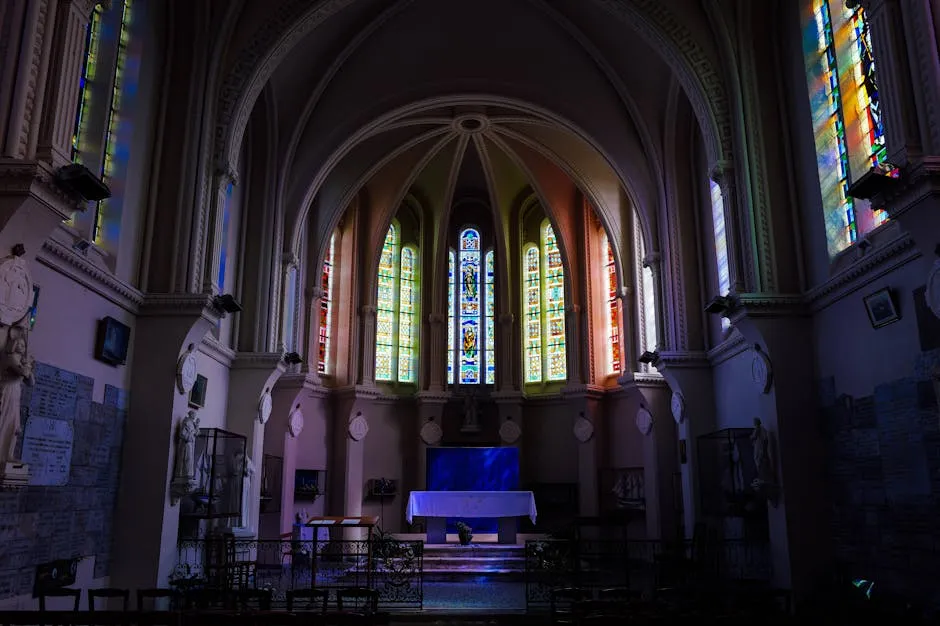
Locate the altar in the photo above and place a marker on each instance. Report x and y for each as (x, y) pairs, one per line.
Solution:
(437, 506)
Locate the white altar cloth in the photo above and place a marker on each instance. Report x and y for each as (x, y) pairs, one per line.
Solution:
(471, 504)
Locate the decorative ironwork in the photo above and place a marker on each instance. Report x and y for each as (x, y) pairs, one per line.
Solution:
(394, 568)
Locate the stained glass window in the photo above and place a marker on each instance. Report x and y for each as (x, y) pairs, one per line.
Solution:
(407, 316)
(533, 314)
(385, 306)
(471, 317)
(721, 244)
(844, 99)
(646, 296)
(223, 252)
(554, 298)
(614, 356)
(326, 300)
(86, 79)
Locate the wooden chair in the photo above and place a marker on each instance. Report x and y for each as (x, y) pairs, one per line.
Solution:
(351, 595)
(155, 594)
(312, 595)
(204, 599)
(62, 592)
(562, 600)
(253, 599)
(108, 593)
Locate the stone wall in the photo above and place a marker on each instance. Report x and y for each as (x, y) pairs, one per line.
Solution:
(39, 524)
(884, 479)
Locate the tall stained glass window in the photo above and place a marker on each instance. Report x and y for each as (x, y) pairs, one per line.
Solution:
(326, 301)
(646, 295)
(532, 281)
(396, 330)
(554, 299)
(721, 244)
(471, 297)
(86, 79)
(614, 355)
(847, 123)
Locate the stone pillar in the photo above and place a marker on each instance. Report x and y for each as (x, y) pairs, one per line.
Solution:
(692, 406)
(723, 175)
(509, 409)
(652, 261)
(314, 298)
(367, 343)
(252, 377)
(221, 181)
(801, 555)
(436, 351)
(505, 358)
(146, 521)
(573, 353)
(588, 426)
(430, 409)
(347, 477)
(60, 99)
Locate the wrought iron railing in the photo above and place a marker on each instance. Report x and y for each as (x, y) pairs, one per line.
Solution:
(640, 565)
(391, 567)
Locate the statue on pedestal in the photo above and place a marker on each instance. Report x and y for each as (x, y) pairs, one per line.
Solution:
(16, 367)
(184, 468)
(764, 482)
(243, 468)
(471, 421)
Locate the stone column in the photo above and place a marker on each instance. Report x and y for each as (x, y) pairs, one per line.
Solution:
(253, 375)
(221, 181)
(504, 371)
(60, 97)
(436, 351)
(723, 175)
(584, 402)
(347, 475)
(509, 409)
(430, 409)
(573, 353)
(314, 298)
(367, 343)
(689, 375)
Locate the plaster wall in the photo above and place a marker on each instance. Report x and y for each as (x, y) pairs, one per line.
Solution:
(549, 449)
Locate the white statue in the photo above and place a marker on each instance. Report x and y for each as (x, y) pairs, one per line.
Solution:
(761, 443)
(184, 469)
(243, 466)
(16, 367)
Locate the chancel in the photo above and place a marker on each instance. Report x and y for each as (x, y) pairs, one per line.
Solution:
(595, 309)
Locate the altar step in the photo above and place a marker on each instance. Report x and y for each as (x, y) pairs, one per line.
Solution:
(457, 563)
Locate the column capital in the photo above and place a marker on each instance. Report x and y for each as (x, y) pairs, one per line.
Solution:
(225, 174)
(722, 172)
(314, 293)
(625, 292)
(652, 260)
(436, 318)
(573, 309)
(290, 260)
(367, 310)
(506, 319)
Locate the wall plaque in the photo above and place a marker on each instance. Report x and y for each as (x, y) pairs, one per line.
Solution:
(47, 449)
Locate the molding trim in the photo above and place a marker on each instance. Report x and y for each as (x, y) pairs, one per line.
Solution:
(256, 360)
(731, 347)
(77, 268)
(217, 351)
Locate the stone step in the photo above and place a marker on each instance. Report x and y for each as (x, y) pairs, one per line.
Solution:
(473, 562)
(449, 575)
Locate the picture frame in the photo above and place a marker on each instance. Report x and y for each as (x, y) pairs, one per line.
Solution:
(112, 341)
(197, 396)
(881, 308)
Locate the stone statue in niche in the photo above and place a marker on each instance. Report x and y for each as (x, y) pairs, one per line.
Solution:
(471, 420)
(184, 468)
(16, 368)
(243, 468)
(764, 482)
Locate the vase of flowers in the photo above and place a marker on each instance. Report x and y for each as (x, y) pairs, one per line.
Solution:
(464, 533)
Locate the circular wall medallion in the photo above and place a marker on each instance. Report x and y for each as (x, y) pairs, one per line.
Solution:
(431, 433)
(678, 407)
(760, 371)
(186, 372)
(264, 407)
(510, 432)
(358, 428)
(644, 421)
(295, 423)
(932, 295)
(16, 290)
(583, 429)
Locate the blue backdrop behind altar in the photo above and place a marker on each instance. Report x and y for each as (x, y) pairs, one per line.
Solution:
(473, 469)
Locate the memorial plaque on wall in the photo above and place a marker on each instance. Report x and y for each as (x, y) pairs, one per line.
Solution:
(47, 449)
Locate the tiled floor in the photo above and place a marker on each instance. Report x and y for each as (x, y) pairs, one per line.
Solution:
(477, 595)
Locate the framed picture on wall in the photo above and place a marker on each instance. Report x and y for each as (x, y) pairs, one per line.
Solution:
(881, 307)
(197, 397)
(112, 341)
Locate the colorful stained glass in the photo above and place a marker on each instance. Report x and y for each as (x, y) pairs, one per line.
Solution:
(646, 300)
(86, 79)
(223, 250)
(613, 310)
(385, 307)
(721, 245)
(451, 313)
(326, 321)
(846, 115)
(407, 314)
(489, 319)
(554, 298)
(532, 312)
(469, 307)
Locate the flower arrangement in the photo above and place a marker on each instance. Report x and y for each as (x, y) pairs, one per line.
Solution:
(464, 533)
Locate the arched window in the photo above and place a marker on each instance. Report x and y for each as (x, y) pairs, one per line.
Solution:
(846, 110)
(471, 311)
(544, 309)
(614, 354)
(532, 284)
(102, 130)
(396, 300)
(721, 244)
(326, 301)
(646, 296)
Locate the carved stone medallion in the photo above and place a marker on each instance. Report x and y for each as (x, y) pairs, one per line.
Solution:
(358, 428)
(16, 290)
(678, 407)
(932, 295)
(761, 373)
(186, 371)
(510, 432)
(431, 433)
(295, 423)
(644, 421)
(583, 429)
(264, 407)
